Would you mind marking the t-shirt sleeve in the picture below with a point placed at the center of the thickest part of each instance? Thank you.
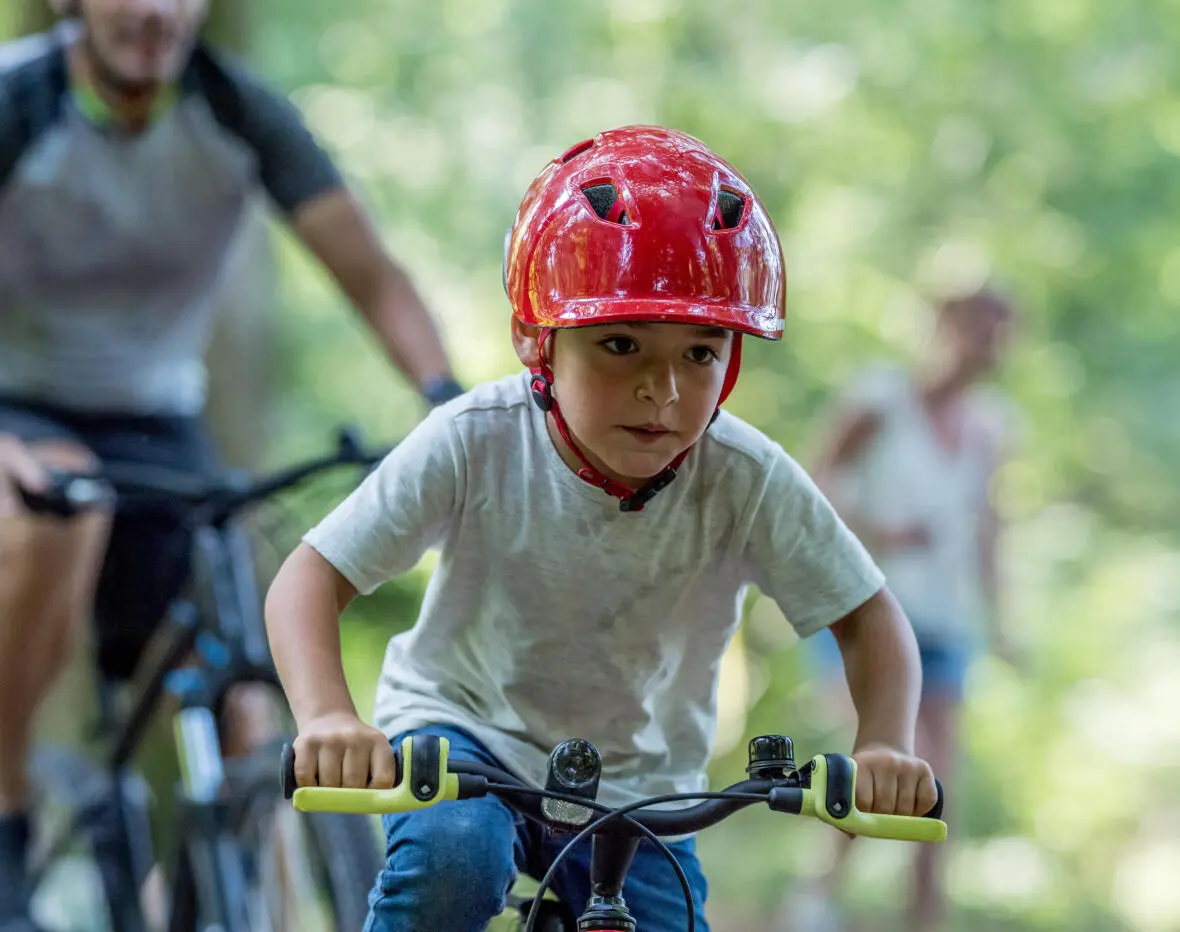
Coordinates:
(291, 164)
(802, 555)
(12, 135)
(401, 510)
(32, 82)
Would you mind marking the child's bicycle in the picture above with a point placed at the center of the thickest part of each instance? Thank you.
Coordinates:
(824, 788)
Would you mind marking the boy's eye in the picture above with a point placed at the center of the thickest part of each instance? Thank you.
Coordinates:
(703, 354)
(620, 346)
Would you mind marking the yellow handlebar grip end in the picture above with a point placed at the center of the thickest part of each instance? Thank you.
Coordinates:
(870, 824)
(380, 802)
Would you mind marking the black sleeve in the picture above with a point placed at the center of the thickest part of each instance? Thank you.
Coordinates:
(31, 97)
(12, 135)
(291, 165)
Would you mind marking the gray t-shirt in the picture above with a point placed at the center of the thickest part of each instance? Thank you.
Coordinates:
(112, 244)
(553, 614)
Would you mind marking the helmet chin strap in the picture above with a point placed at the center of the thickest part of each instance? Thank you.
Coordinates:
(630, 499)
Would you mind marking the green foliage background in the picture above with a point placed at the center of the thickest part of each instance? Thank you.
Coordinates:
(901, 148)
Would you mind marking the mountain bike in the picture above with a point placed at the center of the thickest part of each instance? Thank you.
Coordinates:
(824, 788)
(237, 858)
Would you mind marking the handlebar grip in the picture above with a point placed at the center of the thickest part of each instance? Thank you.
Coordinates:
(936, 812)
(349, 441)
(67, 495)
(833, 800)
(287, 772)
(53, 500)
(427, 781)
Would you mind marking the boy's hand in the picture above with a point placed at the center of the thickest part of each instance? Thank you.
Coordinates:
(891, 782)
(339, 749)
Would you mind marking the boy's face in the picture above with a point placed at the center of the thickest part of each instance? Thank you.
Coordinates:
(634, 395)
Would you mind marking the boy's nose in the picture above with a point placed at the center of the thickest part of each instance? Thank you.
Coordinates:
(659, 385)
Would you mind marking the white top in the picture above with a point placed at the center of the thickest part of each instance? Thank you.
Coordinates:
(553, 614)
(906, 476)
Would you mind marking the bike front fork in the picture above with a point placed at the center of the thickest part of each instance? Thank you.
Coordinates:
(211, 856)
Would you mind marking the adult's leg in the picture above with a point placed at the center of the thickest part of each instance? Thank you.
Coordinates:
(48, 569)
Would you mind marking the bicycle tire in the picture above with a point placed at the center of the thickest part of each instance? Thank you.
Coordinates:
(343, 850)
(356, 859)
(551, 917)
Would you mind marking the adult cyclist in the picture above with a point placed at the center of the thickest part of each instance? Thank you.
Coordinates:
(128, 153)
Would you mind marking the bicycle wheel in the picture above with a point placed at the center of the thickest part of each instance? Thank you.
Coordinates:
(95, 880)
(303, 872)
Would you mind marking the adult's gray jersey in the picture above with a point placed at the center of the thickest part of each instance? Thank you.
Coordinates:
(112, 243)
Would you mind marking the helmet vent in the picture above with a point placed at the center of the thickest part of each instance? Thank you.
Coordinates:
(607, 204)
(575, 150)
(730, 207)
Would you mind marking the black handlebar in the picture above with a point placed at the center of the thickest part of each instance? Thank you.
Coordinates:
(218, 496)
(783, 793)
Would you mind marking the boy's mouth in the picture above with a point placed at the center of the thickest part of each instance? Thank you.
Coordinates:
(647, 433)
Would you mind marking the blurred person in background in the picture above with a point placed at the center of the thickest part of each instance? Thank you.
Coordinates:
(128, 153)
(909, 462)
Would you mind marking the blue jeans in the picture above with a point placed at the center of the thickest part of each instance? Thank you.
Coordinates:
(449, 868)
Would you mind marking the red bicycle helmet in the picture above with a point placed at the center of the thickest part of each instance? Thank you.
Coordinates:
(646, 224)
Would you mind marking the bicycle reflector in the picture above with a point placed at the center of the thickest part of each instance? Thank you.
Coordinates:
(575, 767)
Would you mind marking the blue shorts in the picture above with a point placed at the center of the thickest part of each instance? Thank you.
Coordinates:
(944, 662)
(449, 867)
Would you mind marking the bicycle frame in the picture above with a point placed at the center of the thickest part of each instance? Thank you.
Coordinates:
(224, 633)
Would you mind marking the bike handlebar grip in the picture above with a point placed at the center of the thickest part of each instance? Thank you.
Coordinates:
(833, 800)
(936, 812)
(287, 772)
(54, 500)
(423, 780)
(67, 495)
(349, 440)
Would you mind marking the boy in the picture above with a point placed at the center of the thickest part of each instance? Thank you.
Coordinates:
(636, 263)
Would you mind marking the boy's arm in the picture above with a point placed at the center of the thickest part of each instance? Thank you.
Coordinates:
(885, 679)
(334, 747)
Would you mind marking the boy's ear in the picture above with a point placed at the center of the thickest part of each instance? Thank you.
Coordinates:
(526, 339)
